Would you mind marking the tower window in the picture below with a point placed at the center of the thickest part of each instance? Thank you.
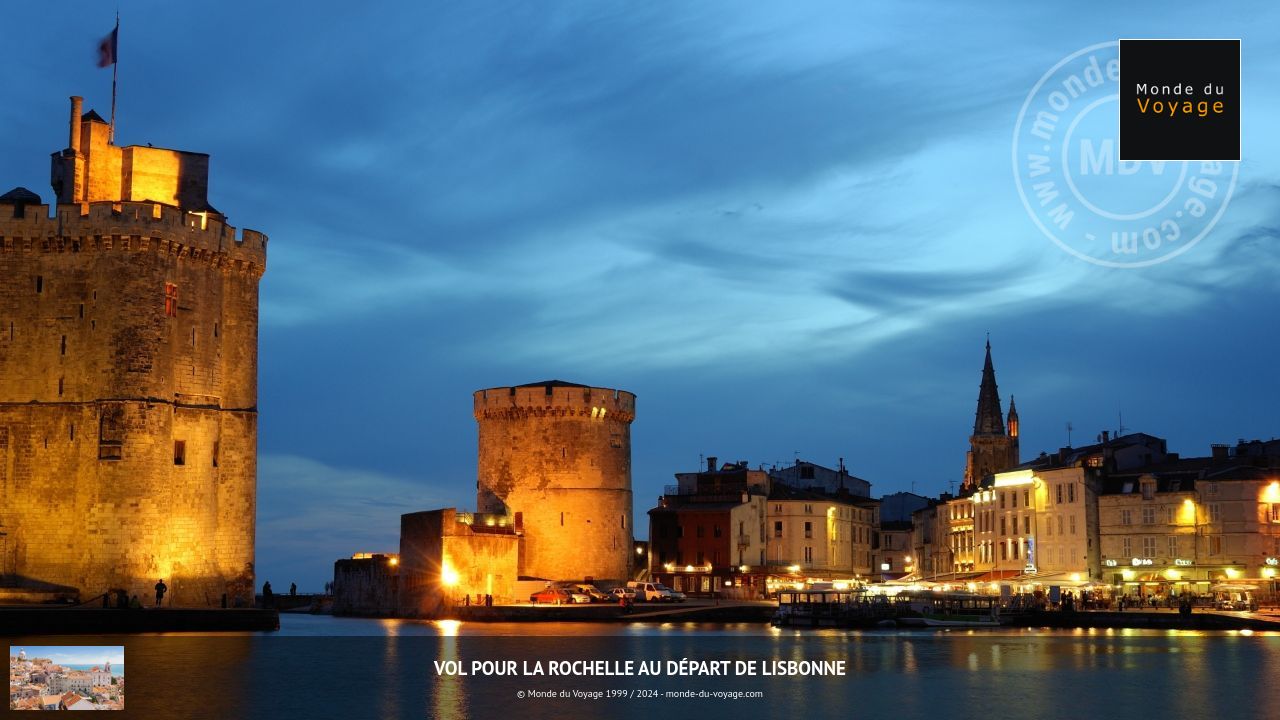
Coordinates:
(179, 452)
(111, 433)
(39, 283)
(62, 348)
(216, 445)
(60, 386)
(170, 300)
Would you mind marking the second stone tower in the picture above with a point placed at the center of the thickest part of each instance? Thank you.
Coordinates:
(558, 455)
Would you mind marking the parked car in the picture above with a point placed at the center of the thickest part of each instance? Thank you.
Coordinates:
(619, 593)
(592, 592)
(551, 596)
(672, 595)
(577, 596)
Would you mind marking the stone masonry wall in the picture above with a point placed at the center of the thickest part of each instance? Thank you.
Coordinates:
(128, 421)
(560, 456)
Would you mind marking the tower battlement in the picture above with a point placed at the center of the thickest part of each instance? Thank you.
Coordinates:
(555, 399)
(136, 226)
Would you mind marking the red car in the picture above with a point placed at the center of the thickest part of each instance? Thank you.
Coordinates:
(551, 596)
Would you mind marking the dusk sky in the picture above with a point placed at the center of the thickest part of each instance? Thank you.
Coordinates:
(786, 229)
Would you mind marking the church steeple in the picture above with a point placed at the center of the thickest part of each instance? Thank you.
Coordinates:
(989, 420)
(991, 450)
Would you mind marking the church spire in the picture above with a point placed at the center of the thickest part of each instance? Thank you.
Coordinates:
(989, 419)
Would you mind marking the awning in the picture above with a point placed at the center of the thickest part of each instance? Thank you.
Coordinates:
(1055, 578)
(997, 575)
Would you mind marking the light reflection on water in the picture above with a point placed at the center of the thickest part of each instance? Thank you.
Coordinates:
(324, 667)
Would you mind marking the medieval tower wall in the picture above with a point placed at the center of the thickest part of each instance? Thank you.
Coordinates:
(128, 378)
(559, 454)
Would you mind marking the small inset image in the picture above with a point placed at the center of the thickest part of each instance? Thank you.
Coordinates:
(66, 677)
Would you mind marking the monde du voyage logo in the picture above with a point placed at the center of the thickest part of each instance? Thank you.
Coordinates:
(1131, 164)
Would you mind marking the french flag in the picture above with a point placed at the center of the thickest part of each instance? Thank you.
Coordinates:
(107, 49)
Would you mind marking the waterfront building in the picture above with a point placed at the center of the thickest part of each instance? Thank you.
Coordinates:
(1190, 524)
(819, 534)
(128, 378)
(931, 529)
(892, 557)
(707, 535)
(447, 556)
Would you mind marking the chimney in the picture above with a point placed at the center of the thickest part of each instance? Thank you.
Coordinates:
(76, 105)
(1106, 435)
(711, 463)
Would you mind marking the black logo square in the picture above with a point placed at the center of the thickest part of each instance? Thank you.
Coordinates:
(1179, 100)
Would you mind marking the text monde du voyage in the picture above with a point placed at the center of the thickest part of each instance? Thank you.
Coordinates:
(638, 668)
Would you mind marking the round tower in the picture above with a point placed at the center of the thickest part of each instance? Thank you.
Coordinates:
(128, 378)
(559, 455)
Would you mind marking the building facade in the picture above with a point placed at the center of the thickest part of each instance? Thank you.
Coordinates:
(128, 378)
(707, 534)
(1189, 525)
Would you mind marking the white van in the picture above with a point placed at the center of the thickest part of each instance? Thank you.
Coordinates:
(650, 592)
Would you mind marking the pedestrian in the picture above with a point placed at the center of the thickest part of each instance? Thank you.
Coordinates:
(268, 598)
(466, 600)
(488, 600)
(293, 589)
(161, 589)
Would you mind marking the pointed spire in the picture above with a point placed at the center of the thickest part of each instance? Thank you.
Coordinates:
(989, 419)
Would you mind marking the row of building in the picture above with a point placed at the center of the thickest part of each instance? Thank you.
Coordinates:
(1122, 516)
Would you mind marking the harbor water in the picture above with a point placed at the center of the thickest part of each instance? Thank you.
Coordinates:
(325, 667)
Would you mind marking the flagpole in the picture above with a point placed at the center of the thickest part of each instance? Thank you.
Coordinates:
(115, 69)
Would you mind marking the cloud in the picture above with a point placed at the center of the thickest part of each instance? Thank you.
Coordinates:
(310, 514)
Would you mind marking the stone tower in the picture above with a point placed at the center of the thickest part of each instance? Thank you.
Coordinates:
(559, 455)
(128, 378)
(991, 449)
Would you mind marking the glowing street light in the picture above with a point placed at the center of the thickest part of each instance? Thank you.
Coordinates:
(449, 576)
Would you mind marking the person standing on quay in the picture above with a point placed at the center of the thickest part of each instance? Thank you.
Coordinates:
(268, 598)
(161, 588)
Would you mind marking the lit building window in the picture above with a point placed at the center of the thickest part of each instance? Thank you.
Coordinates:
(170, 300)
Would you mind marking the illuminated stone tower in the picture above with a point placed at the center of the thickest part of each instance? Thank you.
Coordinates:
(991, 449)
(128, 378)
(559, 454)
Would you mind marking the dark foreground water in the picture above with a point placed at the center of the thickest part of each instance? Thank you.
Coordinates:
(321, 667)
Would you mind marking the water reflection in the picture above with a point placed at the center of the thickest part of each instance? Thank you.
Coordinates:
(331, 667)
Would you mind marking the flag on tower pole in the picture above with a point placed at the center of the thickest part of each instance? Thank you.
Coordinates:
(108, 55)
(107, 47)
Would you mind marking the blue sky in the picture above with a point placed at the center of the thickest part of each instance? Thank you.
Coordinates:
(786, 229)
(74, 654)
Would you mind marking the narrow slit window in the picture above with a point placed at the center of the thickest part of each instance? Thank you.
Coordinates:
(39, 283)
(216, 445)
(179, 452)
